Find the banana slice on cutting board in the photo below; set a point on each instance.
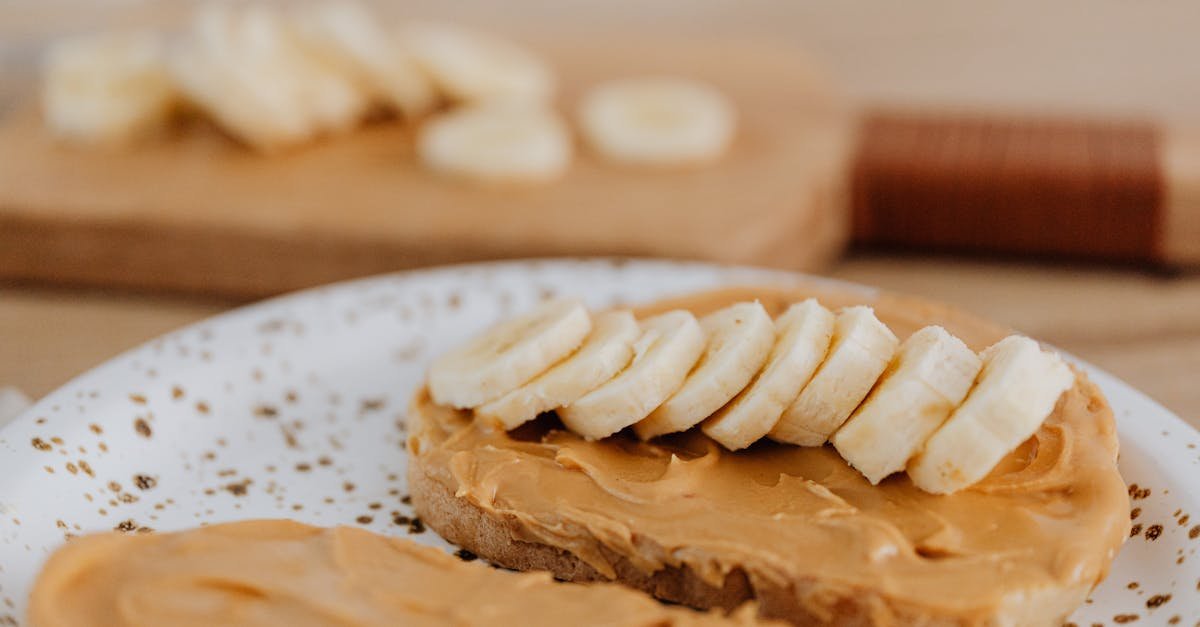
(244, 67)
(739, 337)
(927, 379)
(108, 88)
(1017, 388)
(471, 66)
(497, 143)
(802, 335)
(669, 346)
(509, 354)
(861, 348)
(346, 37)
(605, 352)
(657, 121)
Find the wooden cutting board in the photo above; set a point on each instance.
(195, 212)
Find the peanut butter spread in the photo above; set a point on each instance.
(1027, 543)
(276, 572)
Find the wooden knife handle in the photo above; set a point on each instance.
(1112, 190)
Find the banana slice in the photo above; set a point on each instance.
(803, 334)
(470, 66)
(497, 143)
(927, 379)
(657, 121)
(350, 40)
(739, 338)
(861, 349)
(245, 68)
(1016, 390)
(509, 354)
(605, 352)
(669, 346)
(108, 88)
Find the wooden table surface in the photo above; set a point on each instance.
(1143, 328)
(1121, 58)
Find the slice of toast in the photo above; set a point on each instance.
(792, 528)
(279, 572)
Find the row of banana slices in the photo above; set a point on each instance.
(278, 77)
(929, 406)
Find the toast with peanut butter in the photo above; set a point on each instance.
(857, 459)
(279, 572)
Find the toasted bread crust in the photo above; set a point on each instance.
(470, 527)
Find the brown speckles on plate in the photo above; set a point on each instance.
(177, 393)
(1138, 493)
(1122, 619)
(368, 405)
(364, 520)
(1153, 532)
(238, 488)
(266, 411)
(140, 399)
(348, 486)
(86, 468)
(1157, 601)
(72, 468)
(289, 437)
(303, 467)
(41, 444)
(1134, 513)
(145, 482)
(142, 428)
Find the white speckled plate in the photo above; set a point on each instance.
(294, 408)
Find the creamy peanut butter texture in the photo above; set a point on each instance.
(275, 572)
(1030, 541)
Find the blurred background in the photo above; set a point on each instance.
(1034, 162)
